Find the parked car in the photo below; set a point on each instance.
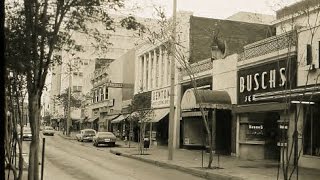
(107, 138)
(86, 135)
(48, 130)
(27, 135)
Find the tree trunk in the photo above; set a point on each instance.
(34, 114)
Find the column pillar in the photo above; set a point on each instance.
(213, 130)
(149, 71)
(144, 72)
(154, 72)
(160, 73)
(140, 74)
(165, 77)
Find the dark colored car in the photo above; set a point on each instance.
(107, 138)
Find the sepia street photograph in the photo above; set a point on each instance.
(160, 89)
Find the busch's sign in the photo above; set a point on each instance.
(272, 76)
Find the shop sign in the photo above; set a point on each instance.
(160, 98)
(114, 85)
(269, 77)
(255, 126)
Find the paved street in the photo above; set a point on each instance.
(73, 160)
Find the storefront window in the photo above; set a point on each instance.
(311, 130)
(258, 126)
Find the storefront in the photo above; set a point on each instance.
(303, 117)
(158, 125)
(120, 127)
(264, 122)
(216, 107)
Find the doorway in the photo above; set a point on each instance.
(223, 132)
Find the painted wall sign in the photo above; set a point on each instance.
(160, 98)
(274, 76)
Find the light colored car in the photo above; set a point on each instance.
(48, 130)
(86, 135)
(27, 135)
(107, 138)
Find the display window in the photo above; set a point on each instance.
(311, 135)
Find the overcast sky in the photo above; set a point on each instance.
(220, 9)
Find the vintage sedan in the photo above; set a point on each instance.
(107, 138)
(48, 130)
(86, 135)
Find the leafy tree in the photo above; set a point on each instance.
(36, 30)
(141, 112)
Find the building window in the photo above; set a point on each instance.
(76, 88)
(106, 95)
(309, 54)
(80, 74)
(311, 130)
(101, 94)
(97, 95)
(94, 97)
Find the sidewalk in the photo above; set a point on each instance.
(190, 161)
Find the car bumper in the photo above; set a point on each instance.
(106, 141)
(27, 137)
(87, 138)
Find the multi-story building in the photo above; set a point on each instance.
(196, 35)
(79, 66)
(112, 84)
(278, 90)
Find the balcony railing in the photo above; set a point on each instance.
(271, 44)
(198, 67)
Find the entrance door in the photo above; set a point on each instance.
(223, 132)
(272, 151)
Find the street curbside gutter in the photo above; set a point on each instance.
(192, 171)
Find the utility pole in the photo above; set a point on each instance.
(172, 82)
(69, 99)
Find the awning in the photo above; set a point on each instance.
(111, 117)
(93, 119)
(157, 115)
(120, 118)
(206, 99)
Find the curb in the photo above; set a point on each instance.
(192, 171)
(63, 136)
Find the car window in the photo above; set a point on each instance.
(105, 133)
(48, 128)
(26, 130)
(89, 132)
